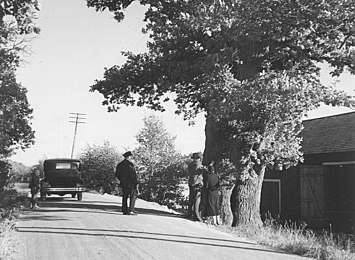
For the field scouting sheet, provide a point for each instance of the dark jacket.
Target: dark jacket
(34, 184)
(126, 174)
(211, 182)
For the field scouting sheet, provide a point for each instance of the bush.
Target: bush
(10, 204)
(7, 240)
(98, 168)
(6, 178)
(164, 186)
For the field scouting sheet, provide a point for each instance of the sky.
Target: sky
(73, 48)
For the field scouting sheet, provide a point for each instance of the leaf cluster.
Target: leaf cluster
(98, 167)
(24, 13)
(15, 117)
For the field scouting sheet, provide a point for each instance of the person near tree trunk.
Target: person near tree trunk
(34, 185)
(195, 170)
(210, 188)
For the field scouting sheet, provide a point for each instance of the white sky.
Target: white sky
(74, 46)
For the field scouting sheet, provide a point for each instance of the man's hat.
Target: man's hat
(126, 154)
(196, 156)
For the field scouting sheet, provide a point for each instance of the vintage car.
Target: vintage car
(61, 177)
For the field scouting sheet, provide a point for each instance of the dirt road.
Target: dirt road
(94, 228)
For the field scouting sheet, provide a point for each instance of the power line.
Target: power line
(77, 117)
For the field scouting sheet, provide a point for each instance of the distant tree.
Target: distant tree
(19, 171)
(98, 167)
(17, 25)
(160, 167)
(252, 66)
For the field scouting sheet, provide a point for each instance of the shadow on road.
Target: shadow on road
(43, 218)
(175, 238)
(67, 205)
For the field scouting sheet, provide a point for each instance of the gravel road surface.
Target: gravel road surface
(94, 228)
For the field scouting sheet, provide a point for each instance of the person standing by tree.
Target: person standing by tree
(34, 186)
(195, 170)
(126, 174)
(210, 186)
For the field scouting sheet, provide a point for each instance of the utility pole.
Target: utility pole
(77, 117)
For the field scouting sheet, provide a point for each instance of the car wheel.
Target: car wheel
(80, 195)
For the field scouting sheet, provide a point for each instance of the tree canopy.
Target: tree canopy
(252, 66)
(253, 63)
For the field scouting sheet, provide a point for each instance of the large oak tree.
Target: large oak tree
(252, 67)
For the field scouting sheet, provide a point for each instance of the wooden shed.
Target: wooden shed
(321, 190)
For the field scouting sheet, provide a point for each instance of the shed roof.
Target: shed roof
(329, 134)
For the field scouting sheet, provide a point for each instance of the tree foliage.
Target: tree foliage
(192, 42)
(252, 66)
(5, 174)
(15, 116)
(17, 21)
(98, 167)
(159, 166)
(17, 24)
(19, 171)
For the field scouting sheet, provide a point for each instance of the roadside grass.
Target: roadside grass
(7, 239)
(10, 203)
(296, 239)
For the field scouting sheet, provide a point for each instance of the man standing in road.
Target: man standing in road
(195, 170)
(127, 176)
(34, 186)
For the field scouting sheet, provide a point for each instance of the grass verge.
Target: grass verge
(10, 203)
(296, 239)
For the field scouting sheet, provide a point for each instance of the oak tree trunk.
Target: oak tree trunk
(216, 145)
(225, 210)
(245, 201)
(246, 195)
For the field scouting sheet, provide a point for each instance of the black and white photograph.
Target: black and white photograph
(177, 129)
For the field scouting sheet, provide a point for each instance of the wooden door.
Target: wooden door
(270, 205)
(312, 191)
